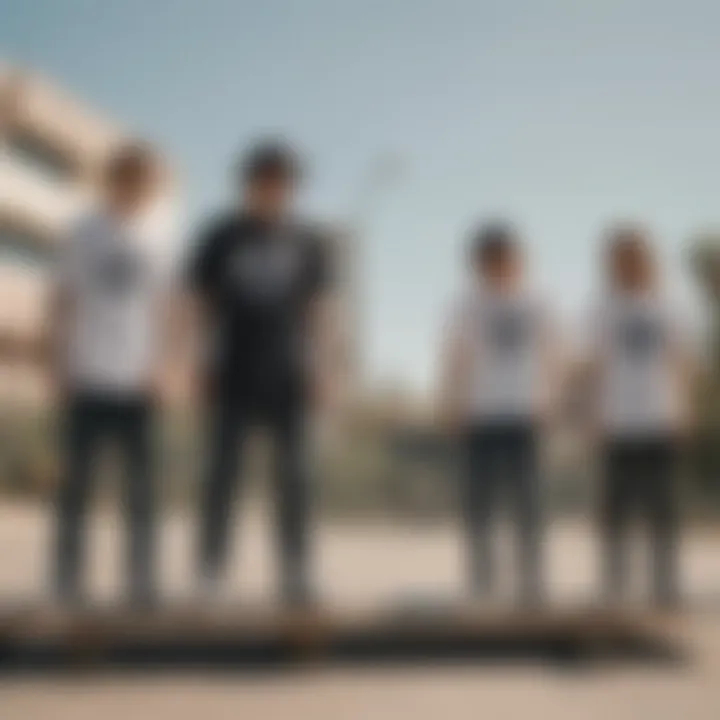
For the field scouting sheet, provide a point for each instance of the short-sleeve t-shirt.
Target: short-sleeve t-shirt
(258, 281)
(634, 340)
(118, 275)
(506, 337)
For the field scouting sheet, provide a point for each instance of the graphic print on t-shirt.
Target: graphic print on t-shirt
(634, 345)
(640, 338)
(509, 330)
(118, 278)
(503, 336)
(119, 272)
(259, 280)
(263, 271)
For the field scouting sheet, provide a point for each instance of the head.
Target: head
(496, 255)
(269, 175)
(630, 259)
(131, 179)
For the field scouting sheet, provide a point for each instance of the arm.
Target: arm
(687, 368)
(578, 376)
(329, 357)
(58, 314)
(455, 365)
(163, 379)
(327, 316)
(59, 310)
(554, 369)
(192, 309)
(586, 374)
(166, 381)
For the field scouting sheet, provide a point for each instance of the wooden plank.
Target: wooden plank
(99, 633)
(206, 621)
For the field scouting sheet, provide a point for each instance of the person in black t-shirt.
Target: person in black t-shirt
(263, 281)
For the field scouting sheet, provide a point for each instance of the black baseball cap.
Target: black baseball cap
(493, 240)
(270, 159)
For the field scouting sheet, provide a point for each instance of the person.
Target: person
(641, 368)
(262, 280)
(497, 372)
(106, 316)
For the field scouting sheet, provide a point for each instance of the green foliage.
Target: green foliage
(363, 474)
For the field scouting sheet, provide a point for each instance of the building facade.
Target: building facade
(51, 151)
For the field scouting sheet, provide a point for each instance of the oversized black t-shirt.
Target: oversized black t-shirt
(258, 281)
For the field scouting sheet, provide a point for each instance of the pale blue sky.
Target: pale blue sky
(561, 113)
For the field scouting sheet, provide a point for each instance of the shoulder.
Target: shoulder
(161, 225)
(213, 235)
(464, 303)
(668, 305)
(315, 238)
(218, 226)
(601, 306)
(676, 316)
(541, 309)
(318, 251)
(536, 299)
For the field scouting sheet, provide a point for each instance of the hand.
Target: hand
(57, 385)
(687, 426)
(325, 394)
(450, 419)
(160, 388)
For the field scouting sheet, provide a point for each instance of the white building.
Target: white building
(51, 151)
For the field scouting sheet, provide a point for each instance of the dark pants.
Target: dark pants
(91, 420)
(640, 483)
(502, 467)
(230, 421)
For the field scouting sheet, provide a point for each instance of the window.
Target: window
(40, 157)
(23, 248)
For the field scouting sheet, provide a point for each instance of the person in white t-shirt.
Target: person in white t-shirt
(107, 318)
(640, 366)
(497, 377)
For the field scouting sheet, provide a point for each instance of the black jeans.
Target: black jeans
(640, 482)
(501, 465)
(89, 421)
(230, 420)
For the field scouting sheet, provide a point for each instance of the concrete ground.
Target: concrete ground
(359, 564)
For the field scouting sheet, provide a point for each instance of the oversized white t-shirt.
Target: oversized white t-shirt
(505, 338)
(118, 275)
(635, 341)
